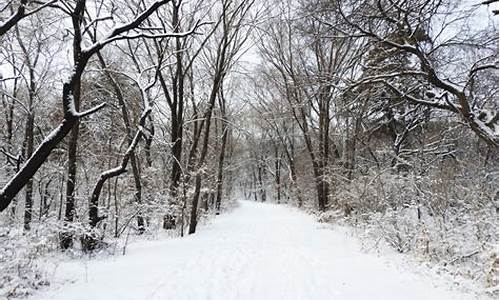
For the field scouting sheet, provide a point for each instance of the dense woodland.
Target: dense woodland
(129, 119)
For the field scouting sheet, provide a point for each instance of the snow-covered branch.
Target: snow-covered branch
(20, 13)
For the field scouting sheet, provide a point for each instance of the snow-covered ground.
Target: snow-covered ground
(259, 251)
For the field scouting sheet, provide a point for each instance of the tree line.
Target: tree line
(94, 90)
(383, 114)
(140, 116)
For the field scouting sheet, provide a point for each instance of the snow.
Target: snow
(259, 251)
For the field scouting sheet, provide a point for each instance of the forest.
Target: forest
(142, 120)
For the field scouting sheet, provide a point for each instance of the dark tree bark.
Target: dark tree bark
(28, 143)
(261, 173)
(126, 121)
(277, 172)
(20, 13)
(222, 153)
(149, 142)
(71, 116)
(66, 237)
(227, 48)
(28, 151)
(219, 73)
(254, 185)
(90, 241)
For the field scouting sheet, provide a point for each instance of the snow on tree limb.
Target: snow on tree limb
(403, 39)
(71, 116)
(20, 14)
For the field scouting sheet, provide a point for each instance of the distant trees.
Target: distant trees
(406, 29)
(311, 68)
(230, 40)
(343, 66)
(387, 114)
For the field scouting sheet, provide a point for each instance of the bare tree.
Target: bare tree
(22, 11)
(406, 29)
(71, 90)
(228, 46)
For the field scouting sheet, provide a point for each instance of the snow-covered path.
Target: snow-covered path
(259, 251)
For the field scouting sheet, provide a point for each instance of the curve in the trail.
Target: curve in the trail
(259, 251)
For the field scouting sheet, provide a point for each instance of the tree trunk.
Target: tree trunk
(277, 173)
(28, 204)
(149, 142)
(89, 241)
(66, 238)
(222, 153)
(260, 176)
(28, 147)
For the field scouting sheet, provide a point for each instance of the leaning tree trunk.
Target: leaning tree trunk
(69, 91)
(90, 240)
(206, 121)
(126, 121)
(217, 83)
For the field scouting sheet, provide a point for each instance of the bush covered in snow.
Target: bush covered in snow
(445, 215)
(22, 269)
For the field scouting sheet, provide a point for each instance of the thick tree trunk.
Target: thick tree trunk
(28, 204)
(149, 142)
(254, 185)
(193, 220)
(66, 237)
(176, 104)
(261, 173)
(318, 174)
(176, 140)
(28, 146)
